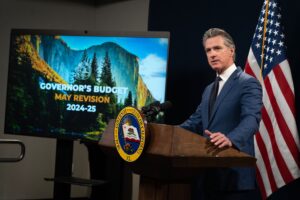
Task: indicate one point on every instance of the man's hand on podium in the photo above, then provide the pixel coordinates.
(218, 139)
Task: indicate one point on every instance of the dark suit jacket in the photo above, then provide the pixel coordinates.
(237, 115)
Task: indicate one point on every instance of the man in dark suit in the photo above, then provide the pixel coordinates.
(229, 115)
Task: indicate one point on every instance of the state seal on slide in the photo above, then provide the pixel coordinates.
(129, 134)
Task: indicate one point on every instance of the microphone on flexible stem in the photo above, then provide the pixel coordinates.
(154, 108)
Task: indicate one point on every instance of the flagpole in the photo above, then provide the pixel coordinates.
(263, 40)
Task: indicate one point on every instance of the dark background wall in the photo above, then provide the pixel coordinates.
(189, 72)
(187, 20)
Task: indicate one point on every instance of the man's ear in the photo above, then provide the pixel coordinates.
(232, 50)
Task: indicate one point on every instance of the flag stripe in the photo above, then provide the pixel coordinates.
(253, 66)
(281, 121)
(260, 182)
(248, 70)
(278, 136)
(285, 111)
(284, 86)
(266, 160)
(276, 152)
(271, 155)
(287, 74)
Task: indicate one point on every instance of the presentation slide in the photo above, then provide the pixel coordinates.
(70, 86)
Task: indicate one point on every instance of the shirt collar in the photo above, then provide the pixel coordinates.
(227, 73)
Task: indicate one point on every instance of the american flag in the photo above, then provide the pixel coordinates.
(277, 141)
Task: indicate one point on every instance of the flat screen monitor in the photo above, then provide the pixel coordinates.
(69, 84)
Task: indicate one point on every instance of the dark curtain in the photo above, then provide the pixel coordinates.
(188, 70)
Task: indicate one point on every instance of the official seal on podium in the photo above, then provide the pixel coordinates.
(130, 134)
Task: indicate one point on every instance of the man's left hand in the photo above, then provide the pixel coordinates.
(218, 139)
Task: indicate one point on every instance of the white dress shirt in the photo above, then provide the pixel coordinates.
(225, 76)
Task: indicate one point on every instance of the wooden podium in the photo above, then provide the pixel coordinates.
(172, 158)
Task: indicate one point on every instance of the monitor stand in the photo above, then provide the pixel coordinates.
(63, 171)
(119, 174)
(63, 168)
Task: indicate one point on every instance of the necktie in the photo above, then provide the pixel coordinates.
(213, 95)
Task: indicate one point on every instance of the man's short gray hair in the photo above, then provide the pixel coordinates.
(214, 32)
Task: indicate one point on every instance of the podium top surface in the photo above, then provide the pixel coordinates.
(183, 148)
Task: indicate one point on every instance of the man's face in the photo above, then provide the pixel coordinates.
(219, 56)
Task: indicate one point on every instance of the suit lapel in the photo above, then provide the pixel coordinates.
(225, 91)
(205, 101)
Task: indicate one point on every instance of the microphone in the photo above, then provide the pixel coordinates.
(165, 106)
(154, 108)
